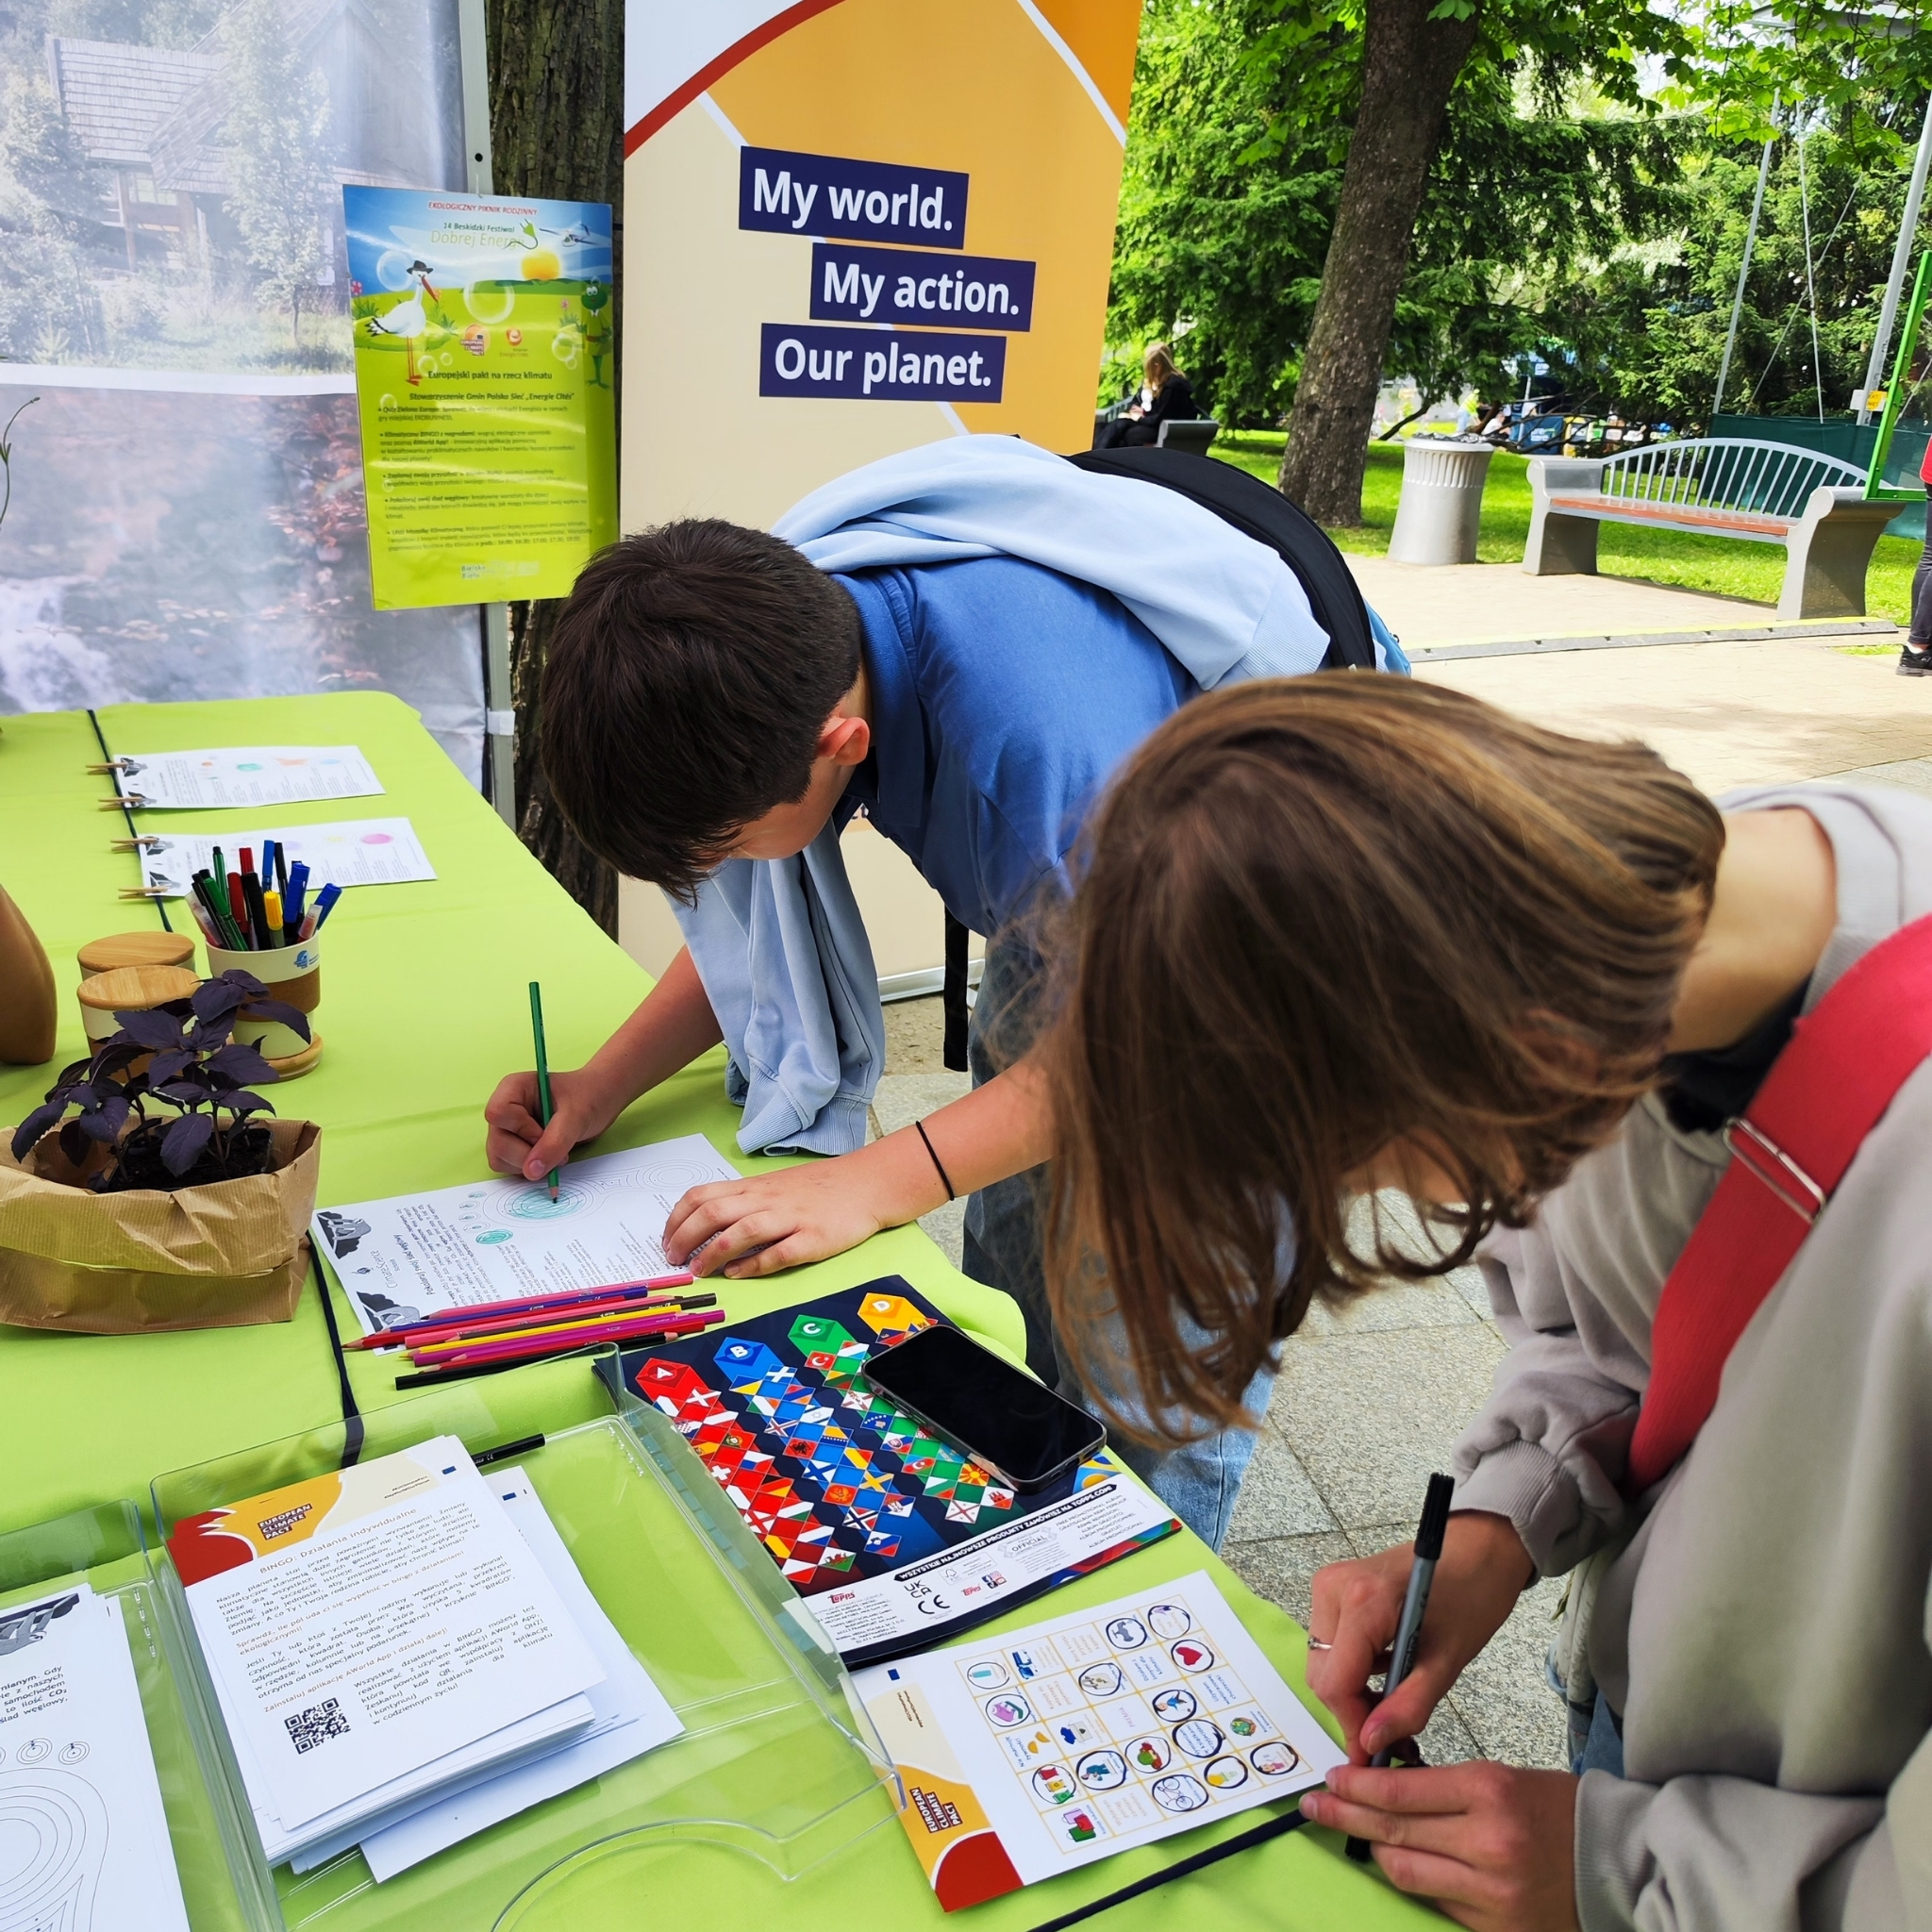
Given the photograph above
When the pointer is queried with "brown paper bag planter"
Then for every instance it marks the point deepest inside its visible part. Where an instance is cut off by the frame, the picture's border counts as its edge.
(149, 1190)
(225, 1255)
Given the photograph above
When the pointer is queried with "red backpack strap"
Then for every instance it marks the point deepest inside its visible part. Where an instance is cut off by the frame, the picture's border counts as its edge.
(1826, 1091)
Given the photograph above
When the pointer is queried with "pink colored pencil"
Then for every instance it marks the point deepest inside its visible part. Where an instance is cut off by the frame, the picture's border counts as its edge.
(560, 1339)
(516, 1305)
(444, 1333)
(508, 1355)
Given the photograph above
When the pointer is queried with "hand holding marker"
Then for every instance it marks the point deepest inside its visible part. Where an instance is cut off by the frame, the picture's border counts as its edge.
(543, 1108)
(1409, 1629)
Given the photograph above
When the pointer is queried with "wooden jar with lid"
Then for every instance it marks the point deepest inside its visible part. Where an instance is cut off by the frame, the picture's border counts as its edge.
(128, 990)
(149, 948)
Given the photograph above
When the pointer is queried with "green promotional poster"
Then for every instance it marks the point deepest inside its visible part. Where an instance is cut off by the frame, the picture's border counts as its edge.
(483, 380)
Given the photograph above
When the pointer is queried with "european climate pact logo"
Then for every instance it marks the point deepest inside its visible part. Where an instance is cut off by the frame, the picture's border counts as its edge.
(880, 291)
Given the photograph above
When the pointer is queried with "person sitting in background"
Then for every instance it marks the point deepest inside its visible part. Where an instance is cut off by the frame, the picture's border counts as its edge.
(1166, 398)
(1915, 654)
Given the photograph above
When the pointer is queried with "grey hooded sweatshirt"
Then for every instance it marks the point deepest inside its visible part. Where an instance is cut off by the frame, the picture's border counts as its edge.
(1766, 1632)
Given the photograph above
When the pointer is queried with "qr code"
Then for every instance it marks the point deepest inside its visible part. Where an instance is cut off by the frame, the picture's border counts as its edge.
(317, 1724)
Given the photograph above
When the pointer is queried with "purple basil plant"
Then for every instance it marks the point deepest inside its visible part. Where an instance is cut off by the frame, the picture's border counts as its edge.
(192, 1104)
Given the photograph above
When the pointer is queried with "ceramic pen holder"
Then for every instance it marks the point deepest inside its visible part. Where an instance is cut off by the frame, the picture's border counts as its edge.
(293, 976)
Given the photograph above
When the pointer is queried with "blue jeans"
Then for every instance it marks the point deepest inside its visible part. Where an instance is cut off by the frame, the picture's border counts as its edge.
(1602, 1750)
(1199, 1480)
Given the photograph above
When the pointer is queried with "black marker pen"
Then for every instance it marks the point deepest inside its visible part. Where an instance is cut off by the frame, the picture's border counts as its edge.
(1422, 1571)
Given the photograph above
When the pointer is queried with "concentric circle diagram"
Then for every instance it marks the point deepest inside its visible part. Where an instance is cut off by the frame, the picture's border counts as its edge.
(53, 1838)
(490, 1213)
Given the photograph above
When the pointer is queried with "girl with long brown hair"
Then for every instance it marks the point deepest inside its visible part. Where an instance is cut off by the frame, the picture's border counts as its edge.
(1344, 935)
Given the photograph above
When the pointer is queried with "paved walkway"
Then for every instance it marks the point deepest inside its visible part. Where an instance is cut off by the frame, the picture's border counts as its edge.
(1430, 606)
(1370, 1401)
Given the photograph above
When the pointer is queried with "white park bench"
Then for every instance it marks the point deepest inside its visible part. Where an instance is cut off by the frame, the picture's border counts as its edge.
(1719, 485)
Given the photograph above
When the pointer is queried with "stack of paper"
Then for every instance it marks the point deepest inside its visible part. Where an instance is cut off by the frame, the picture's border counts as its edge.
(83, 1836)
(404, 1653)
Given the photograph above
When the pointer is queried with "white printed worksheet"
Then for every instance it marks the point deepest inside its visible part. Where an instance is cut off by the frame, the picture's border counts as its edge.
(488, 1240)
(366, 1627)
(1025, 1755)
(358, 852)
(84, 1843)
(244, 774)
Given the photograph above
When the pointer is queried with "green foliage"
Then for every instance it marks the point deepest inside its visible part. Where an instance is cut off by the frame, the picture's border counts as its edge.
(280, 180)
(48, 219)
(1234, 165)
(1844, 61)
(1647, 328)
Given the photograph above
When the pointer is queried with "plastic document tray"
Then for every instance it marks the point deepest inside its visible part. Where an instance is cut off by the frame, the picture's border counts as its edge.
(777, 1769)
(220, 1883)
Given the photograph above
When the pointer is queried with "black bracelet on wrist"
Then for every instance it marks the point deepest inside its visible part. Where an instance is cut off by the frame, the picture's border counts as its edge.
(945, 1180)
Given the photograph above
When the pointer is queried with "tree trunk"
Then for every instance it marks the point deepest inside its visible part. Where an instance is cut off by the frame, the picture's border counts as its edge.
(1409, 64)
(557, 129)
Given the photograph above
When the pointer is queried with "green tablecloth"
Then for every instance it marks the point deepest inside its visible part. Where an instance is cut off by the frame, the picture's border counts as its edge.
(424, 1007)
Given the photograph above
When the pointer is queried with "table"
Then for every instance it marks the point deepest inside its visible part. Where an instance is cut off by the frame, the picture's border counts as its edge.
(423, 1007)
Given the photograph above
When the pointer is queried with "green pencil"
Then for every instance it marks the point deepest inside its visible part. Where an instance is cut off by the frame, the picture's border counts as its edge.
(542, 1068)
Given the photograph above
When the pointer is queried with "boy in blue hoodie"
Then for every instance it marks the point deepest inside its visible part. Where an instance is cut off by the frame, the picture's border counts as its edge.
(718, 703)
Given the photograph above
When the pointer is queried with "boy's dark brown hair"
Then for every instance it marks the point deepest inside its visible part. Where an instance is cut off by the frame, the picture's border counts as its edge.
(1318, 918)
(687, 679)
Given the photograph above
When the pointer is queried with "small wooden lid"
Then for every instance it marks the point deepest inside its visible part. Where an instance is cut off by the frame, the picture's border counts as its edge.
(129, 988)
(136, 949)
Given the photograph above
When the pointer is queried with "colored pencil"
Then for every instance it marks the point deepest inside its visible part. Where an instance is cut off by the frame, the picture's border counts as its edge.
(427, 1378)
(543, 1108)
(575, 1336)
(503, 1324)
(649, 1319)
(518, 1304)
(516, 1325)
(422, 1347)
(457, 1371)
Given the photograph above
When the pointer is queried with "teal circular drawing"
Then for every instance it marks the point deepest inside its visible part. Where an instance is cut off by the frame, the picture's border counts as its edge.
(534, 1203)
(491, 1236)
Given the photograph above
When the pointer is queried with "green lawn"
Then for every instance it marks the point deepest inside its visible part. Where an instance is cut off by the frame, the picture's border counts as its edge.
(1665, 556)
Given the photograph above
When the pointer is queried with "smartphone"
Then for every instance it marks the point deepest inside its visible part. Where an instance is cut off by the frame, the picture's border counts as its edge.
(1012, 1427)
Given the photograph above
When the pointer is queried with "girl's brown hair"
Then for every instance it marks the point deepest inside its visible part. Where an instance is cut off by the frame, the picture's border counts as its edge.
(1158, 365)
(1320, 918)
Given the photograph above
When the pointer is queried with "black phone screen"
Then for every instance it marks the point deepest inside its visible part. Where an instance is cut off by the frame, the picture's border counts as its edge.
(1019, 1429)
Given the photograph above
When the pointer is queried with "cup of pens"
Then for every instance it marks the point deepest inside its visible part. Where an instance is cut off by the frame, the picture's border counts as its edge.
(267, 922)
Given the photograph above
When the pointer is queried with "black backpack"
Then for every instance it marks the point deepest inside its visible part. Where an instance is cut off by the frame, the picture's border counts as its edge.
(1267, 516)
(1256, 510)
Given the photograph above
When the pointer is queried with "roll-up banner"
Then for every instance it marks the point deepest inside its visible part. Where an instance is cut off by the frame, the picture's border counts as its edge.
(852, 227)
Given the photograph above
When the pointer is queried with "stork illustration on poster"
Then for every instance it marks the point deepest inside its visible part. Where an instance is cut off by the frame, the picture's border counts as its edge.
(855, 226)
